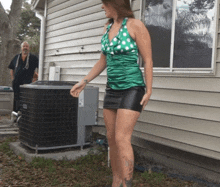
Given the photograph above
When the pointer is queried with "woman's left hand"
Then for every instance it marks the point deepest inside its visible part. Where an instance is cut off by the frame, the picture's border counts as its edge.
(145, 100)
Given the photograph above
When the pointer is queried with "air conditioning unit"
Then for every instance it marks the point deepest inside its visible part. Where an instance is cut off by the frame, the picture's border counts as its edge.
(51, 118)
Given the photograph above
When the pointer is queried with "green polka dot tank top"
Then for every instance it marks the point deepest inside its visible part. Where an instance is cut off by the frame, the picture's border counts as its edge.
(121, 53)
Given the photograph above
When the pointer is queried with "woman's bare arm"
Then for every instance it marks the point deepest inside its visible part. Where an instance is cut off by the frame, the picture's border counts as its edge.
(143, 41)
(97, 68)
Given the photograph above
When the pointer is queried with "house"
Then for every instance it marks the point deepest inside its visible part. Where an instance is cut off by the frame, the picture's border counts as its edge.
(180, 126)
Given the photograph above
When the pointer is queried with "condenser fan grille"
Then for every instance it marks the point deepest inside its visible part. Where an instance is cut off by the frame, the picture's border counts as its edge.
(49, 117)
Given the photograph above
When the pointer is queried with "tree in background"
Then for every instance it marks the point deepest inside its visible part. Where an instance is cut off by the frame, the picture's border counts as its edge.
(153, 2)
(203, 5)
(29, 28)
(16, 25)
(10, 45)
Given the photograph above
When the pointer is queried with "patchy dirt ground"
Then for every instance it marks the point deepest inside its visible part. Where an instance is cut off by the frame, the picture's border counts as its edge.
(89, 171)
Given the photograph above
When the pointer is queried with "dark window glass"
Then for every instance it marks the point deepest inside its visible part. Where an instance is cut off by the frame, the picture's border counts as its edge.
(194, 31)
(158, 20)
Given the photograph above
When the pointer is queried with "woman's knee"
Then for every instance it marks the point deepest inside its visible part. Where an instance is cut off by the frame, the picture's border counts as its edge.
(111, 138)
(121, 139)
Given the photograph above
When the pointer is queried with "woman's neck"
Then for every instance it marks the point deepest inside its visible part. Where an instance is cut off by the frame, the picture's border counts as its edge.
(117, 20)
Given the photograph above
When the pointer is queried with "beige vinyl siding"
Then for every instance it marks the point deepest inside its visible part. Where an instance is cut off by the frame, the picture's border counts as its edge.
(73, 34)
(183, 111)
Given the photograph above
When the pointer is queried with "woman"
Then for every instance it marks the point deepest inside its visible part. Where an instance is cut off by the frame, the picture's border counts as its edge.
(125, 96)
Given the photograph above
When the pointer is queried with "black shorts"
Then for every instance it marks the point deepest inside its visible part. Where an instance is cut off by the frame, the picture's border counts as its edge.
(128, 99)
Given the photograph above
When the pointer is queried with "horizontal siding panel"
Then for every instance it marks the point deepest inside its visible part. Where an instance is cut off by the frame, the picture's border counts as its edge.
(63, 6)
(183, 97)
(78, 71)
(178, 122)
(182, 123)
(74, 57)
(72, 50)
(188, 97)
(80, 20)
(185, 137)
(97, 80)
(74, 13)
(53, 3)
(77, 63)
(76, 21)
(218, 53)
(77, 42)
(137, 14)
(178, 145)
(5, 100)
(5, 111)
(77, 28)
(197, 84)
(206, 84)
(205, 113)
(217, 69)
(218, 42)
(73, 36)
(71, 10)
(81, 27)
(187, 83)
(6, 95)
(167, 142)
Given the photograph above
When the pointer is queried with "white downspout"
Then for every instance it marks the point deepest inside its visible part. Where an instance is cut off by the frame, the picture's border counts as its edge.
(42, 40)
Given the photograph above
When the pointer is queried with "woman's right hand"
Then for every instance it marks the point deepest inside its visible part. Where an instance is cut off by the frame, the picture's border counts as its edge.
(77, 88)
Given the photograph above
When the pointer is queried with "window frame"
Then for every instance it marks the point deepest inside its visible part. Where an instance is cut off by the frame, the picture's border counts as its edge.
(190, 72)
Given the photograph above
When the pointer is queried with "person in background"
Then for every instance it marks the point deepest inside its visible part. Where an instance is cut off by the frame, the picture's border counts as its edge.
(124, 37)
(23, 68)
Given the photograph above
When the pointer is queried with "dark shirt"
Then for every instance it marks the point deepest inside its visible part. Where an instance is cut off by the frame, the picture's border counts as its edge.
(23, 76)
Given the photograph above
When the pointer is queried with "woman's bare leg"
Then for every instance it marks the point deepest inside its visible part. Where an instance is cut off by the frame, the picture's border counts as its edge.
(110, 119)
(125, 122)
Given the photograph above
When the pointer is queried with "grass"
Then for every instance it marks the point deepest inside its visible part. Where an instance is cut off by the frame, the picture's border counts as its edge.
(88, 171)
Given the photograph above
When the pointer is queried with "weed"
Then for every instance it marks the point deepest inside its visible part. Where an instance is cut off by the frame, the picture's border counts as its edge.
(90, 170)
(43, 163)
(4, 147)
(55, 182)
(154, 177)
(21, 157)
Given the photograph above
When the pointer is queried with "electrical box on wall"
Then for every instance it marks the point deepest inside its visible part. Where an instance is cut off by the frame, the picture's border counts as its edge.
(54, 73)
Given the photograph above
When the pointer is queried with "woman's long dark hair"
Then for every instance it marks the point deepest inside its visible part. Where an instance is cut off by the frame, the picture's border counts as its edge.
(122, 7)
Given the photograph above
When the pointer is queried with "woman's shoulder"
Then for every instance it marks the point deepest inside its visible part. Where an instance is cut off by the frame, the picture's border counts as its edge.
(105, 27)
(135, 23)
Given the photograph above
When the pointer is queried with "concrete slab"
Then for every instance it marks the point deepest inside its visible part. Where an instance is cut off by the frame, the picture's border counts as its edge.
(19, 148)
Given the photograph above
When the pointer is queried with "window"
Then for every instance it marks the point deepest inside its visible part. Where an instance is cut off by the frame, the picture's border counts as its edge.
(182, 33)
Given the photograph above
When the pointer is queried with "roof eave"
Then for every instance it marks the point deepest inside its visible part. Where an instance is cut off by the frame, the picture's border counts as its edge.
(38, 5)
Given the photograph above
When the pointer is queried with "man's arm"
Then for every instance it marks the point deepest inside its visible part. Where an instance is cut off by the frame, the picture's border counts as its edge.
(35, 77)
(12, 74)
(12, 67)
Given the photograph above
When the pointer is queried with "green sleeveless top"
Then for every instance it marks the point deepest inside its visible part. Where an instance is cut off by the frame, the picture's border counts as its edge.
(121, 53)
